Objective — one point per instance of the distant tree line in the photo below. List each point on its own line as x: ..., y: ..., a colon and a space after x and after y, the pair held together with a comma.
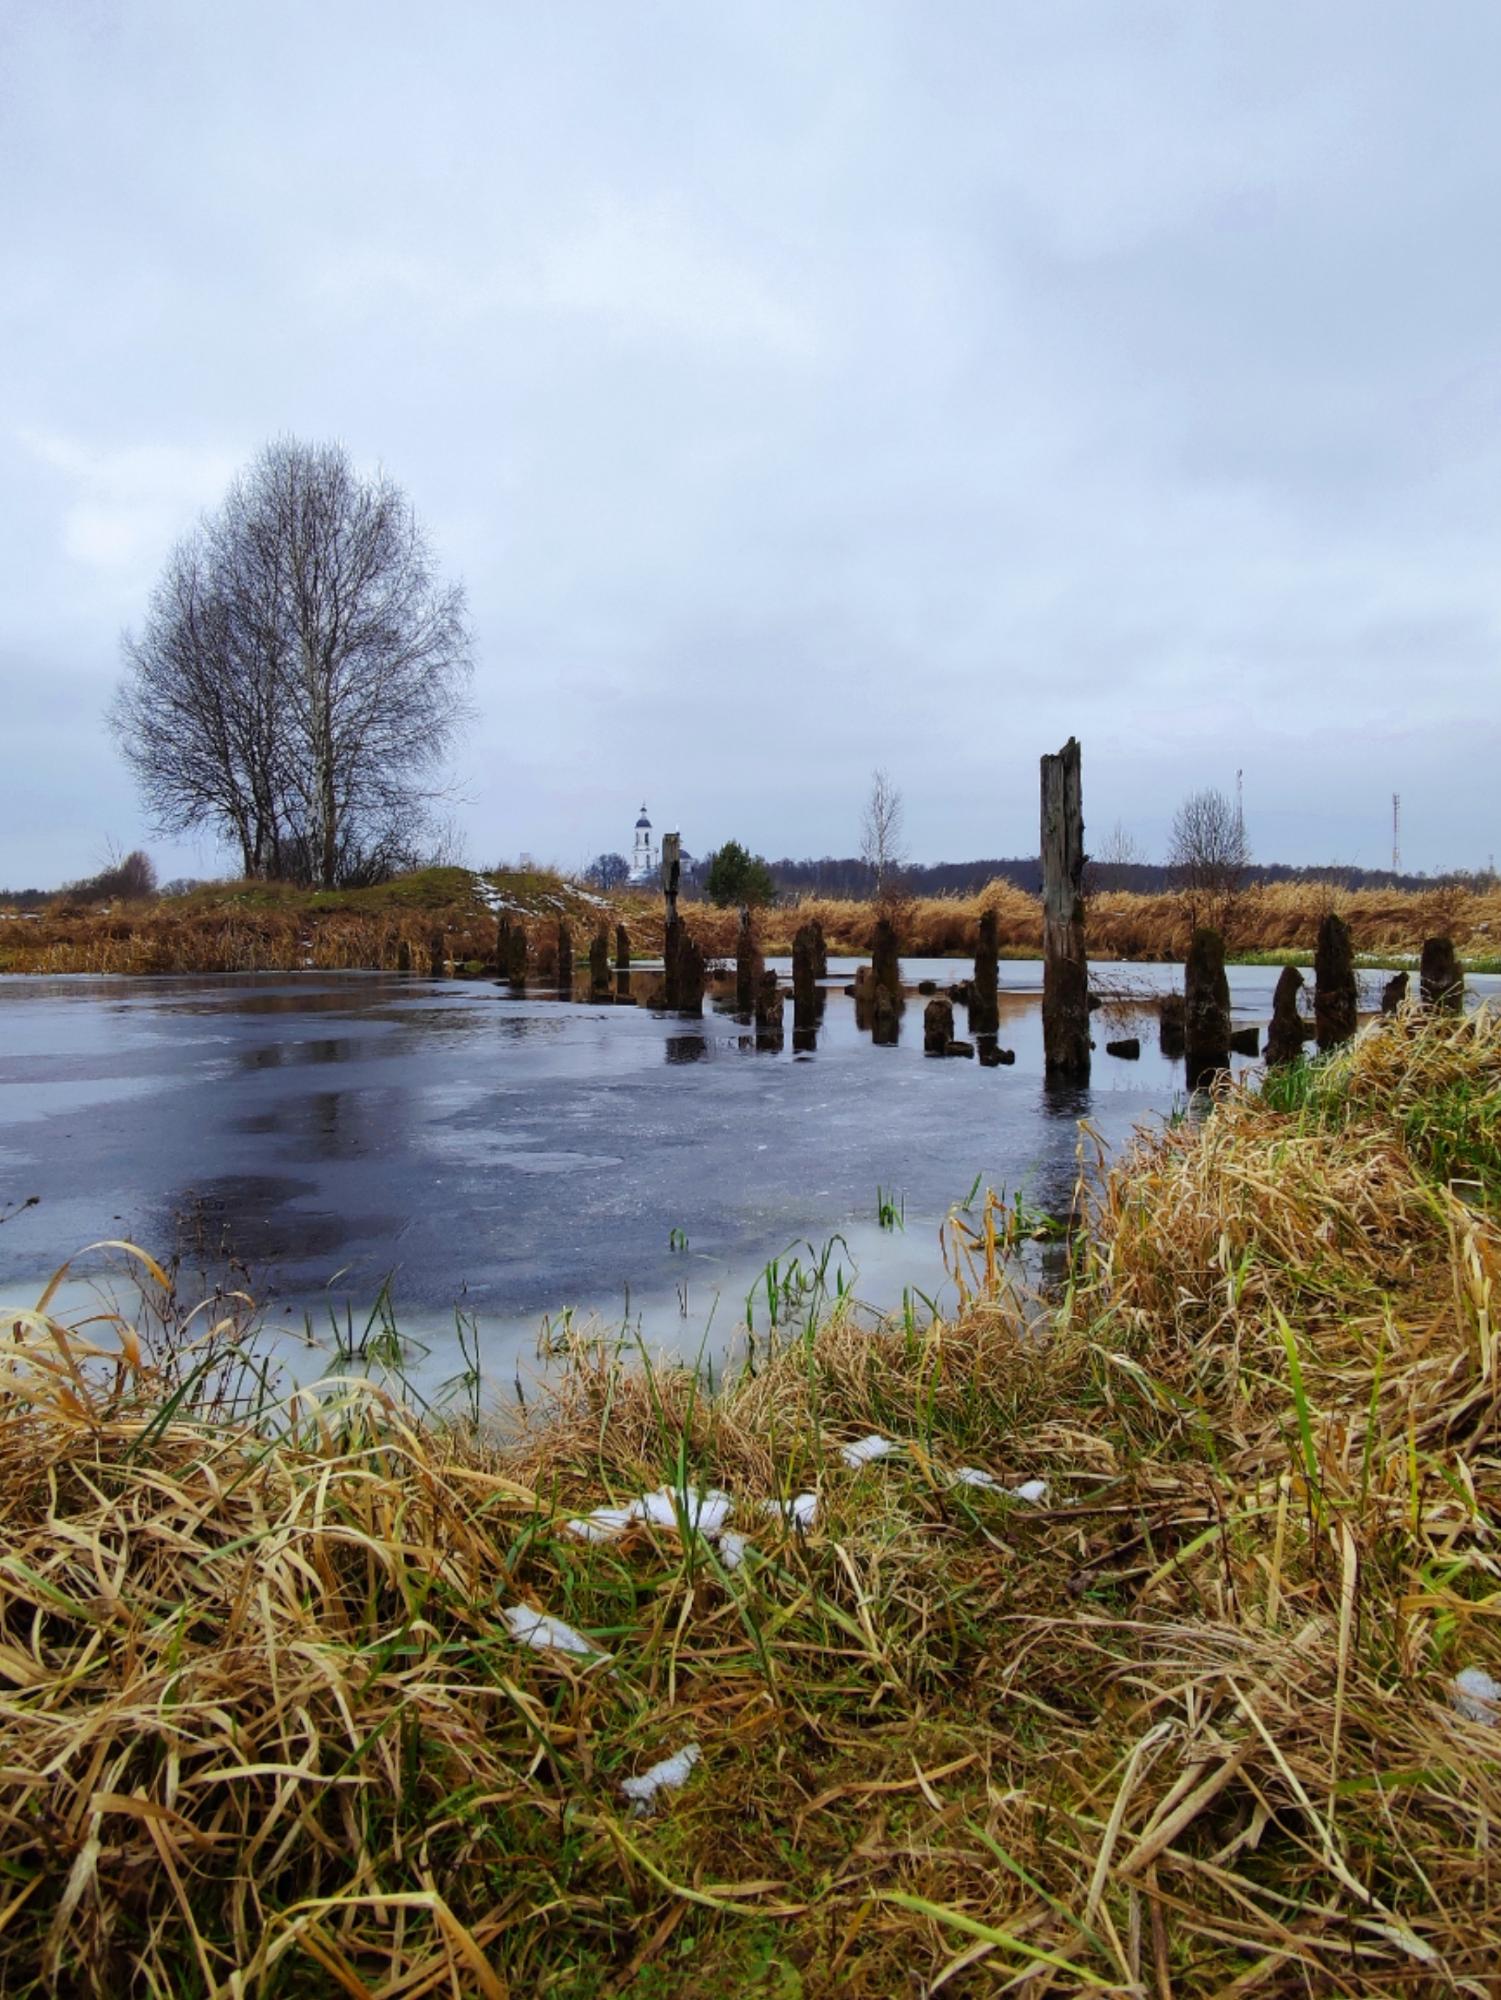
x: 850, y: 875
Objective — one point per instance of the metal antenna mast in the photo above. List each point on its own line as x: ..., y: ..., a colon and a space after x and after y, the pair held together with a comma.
x: 1396, y: 833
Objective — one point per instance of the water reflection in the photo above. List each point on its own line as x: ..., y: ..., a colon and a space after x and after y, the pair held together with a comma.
x: 685, y: 1048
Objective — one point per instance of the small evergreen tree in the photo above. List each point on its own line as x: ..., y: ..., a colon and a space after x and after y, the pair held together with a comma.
x: 736, y: 875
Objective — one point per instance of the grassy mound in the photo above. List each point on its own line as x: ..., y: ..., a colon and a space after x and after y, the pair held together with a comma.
x: 1186, y: 1725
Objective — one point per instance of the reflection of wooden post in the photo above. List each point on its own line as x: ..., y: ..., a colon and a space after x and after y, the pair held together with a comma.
x: 672, y: 851
x: 1065, y: 974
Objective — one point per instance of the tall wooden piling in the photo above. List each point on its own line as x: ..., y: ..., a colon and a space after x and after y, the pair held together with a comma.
x: 1065, y: 972
x: 671, y: 872
x: 622, y: 949
x: 1334, y: 988
x: 984, y: 995
x: 437, y: 952
x: 502, y: 942
x: 517, y: 968
x: 565, y: 960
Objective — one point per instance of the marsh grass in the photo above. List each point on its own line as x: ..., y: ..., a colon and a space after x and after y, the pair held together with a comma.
x: 1183, y: 1728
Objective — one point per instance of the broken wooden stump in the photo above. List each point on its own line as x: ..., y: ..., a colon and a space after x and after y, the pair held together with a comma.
x: 994, y: 1057
x: 937, y: 1027
x: 1128, y: 1048
x: 599, y: 965
x: 517, y: 966
x: 1065, y: 973
x: 749, y: 965
x: 1394, y: 993
x: 1245, y: 1041
x: 1441, y: 979
x: 1206, y: 1008
x: 1334, y: 990
x: 1288, y: 1030
x: 805, y: 988
x: 885, y: 961
x: 820, y: 950
x: 565, y: 960
x: 502, y: 942
x: 690, y: 975
x: 984, y: 1003
x: 437, y: 953
x: 404, y: 955
x: 622, y: 949
x: 960, y: 1049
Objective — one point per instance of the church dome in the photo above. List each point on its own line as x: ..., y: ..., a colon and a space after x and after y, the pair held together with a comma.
x: 643, y: 821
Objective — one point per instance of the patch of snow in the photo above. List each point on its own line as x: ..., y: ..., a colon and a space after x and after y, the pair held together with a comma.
x: 971, y: 1475
x: 540, y: 1629
x: 1034, y: 1490
x: 603, y: 1525
x: 867, y: 1450
x: 734, y: 1548
x: 705, y: 1512
x: 1476, y: 1695
x: 664, y: 1777
x: 801, y: 1509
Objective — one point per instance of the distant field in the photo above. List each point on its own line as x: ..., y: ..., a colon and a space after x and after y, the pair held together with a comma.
x: 263, y: 926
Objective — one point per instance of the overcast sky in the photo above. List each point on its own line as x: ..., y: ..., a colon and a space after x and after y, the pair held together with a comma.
x: 796, y: 388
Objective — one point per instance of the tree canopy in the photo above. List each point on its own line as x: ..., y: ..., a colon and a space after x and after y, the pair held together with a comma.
x: 300, y: 674
x: 735, y: 875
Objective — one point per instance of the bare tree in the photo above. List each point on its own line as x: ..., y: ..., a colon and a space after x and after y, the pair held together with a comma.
x: 300, y: 674
x: 1209, y: 859
x: 881, y: 831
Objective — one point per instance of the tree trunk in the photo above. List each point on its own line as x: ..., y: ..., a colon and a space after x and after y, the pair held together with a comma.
x: 1065, y: 973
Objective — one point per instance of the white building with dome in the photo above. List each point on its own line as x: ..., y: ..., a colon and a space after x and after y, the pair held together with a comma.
x: 645, y: 856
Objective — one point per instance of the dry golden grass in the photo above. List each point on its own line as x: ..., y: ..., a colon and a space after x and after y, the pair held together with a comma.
x: 1184, y: 1729
x: 253, y: 927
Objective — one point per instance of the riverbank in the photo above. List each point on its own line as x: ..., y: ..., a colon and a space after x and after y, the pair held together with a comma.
x: 449, y: 916
x: 1181, y: 1714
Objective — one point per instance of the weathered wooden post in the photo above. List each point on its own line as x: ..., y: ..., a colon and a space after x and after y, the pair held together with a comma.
x: 565, y: 960
x: 671, y: 873
x: 404, y: 955
x: 599, y: 965
x: 820, y: 949
x: 437, y: 952
x: 1334, y: 989
x: 1206, y: 1008
x: 502, y: 942
x: 690, y: 974
x: 622, y: 949
x: 937, y: 1027
x: 1065, y: 971
x: 1441, y: 979
x: 805, y: 978
x: 1394, y: 993
x: 1284, y: 1038
x: 885, y: 962
x: 749, y: 965
x: 984, y: 998
x: 519, y: 953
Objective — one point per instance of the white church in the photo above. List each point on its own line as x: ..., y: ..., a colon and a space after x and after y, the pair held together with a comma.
x: 645, y: 857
